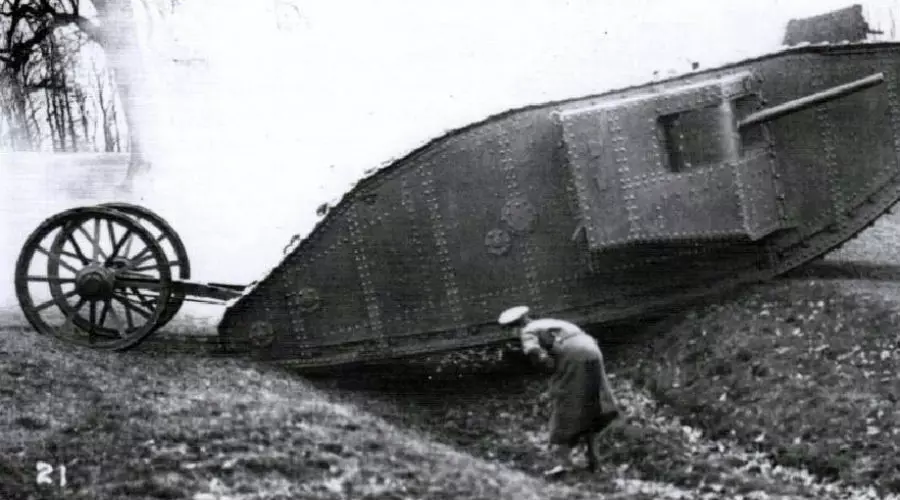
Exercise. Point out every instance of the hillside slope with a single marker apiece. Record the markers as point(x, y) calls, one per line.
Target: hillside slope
point(140, 426)
point(804, 371)
point(792, 423)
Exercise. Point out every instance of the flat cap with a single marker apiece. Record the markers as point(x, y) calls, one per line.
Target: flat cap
point(513, 314)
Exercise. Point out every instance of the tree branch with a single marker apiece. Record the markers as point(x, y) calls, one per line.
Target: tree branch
point(44, 83)
point(48, 20)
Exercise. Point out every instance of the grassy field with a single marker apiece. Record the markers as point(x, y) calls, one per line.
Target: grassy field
point(806, 372)
point(782, 390)
point(142, 426)
point(719, 403)
point(469, 425)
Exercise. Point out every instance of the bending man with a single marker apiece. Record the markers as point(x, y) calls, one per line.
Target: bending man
point(583, 404)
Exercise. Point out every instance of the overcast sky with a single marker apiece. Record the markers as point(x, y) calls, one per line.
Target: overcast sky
point(274, 122)
point(355, 83)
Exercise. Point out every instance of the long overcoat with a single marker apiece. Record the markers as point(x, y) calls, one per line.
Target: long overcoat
point(579, 388)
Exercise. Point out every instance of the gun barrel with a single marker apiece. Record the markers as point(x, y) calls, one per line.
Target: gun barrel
point(808, 101)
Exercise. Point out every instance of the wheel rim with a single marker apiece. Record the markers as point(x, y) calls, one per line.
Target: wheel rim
point(104, 314)
point(171, 244)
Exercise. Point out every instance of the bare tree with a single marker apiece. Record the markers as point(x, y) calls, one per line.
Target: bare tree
point(106, 106)
point(28, 29)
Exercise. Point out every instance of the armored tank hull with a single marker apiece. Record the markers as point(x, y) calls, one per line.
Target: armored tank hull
point(594, 209)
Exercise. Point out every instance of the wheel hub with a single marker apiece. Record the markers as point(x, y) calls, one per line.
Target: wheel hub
point(95, 282)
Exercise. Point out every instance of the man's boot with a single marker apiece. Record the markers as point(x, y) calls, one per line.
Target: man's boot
point(606, 419)
point(564, 460)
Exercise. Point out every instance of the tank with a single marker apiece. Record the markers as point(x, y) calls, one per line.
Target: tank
point(596, 209)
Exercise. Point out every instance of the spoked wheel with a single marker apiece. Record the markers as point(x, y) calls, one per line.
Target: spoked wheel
point(71, 279)
point(171, 244)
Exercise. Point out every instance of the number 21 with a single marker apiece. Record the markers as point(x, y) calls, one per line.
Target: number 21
point(45, 470)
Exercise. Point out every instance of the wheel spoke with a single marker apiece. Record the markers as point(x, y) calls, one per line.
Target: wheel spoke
point(140, 256)
point(82, 258)
point(84, 233)
point(129, 306)
point(79, 253)
point(55, 258)
point(126, 240)
point(70, 317)
point(112, 234)
point(95, 242)
point(93, 320)
point(97, 250)
point(128, 244)
point(103, 312)
point(120, 325)
point(128, 316)
point(145, 259)
point(44, 305)
point(54, 279)
point(149, 303)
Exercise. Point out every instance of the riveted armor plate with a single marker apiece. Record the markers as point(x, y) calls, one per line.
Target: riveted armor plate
point(497, 241)
point(518, 214)
point(307, 300)
point(261, 334)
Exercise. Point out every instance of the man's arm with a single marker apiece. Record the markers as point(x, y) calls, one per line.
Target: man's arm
point(531, 346)
point(542, 360)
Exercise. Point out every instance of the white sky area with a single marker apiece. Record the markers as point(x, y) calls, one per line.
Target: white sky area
point(276, 122)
